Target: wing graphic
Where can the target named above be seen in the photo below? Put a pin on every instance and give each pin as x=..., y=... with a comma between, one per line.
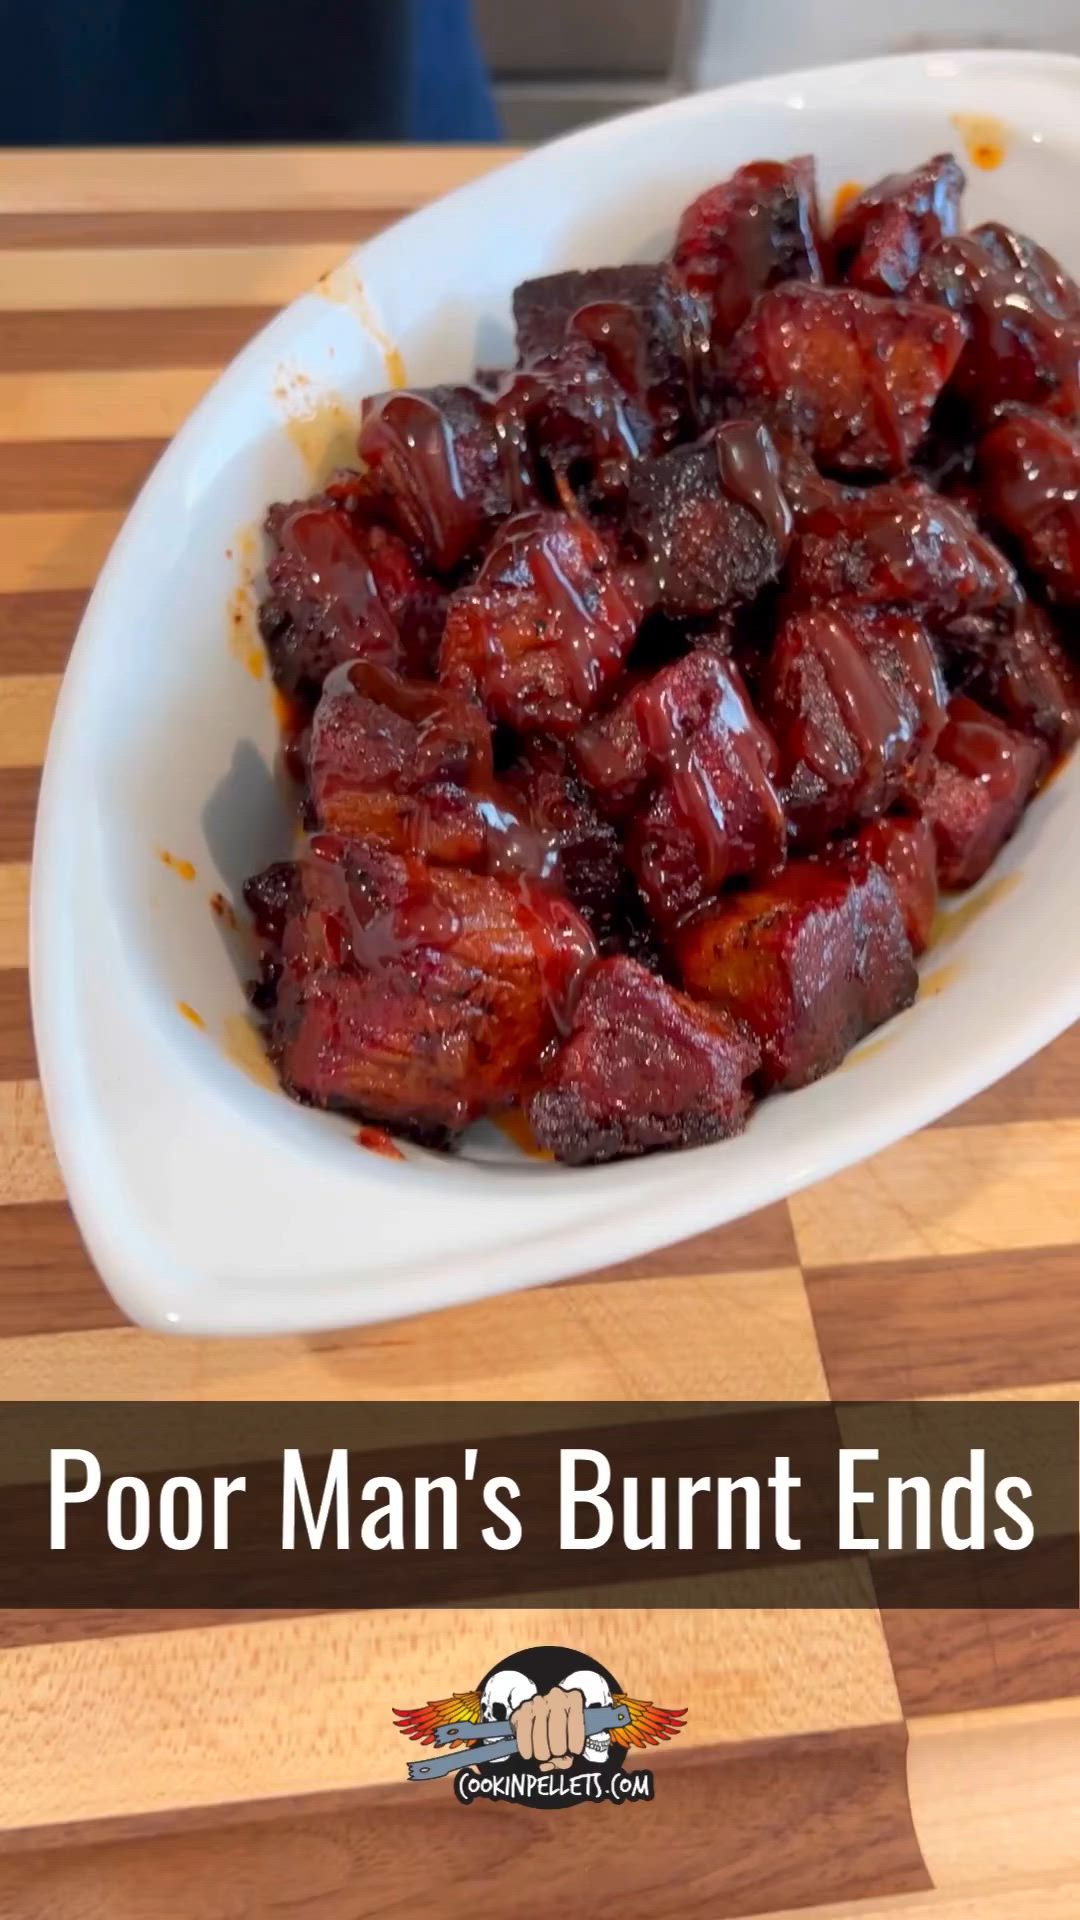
x=649, y=1725
x=419, y=1723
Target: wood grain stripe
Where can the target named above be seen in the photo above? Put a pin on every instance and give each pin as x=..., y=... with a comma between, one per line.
x=992, y=1794
x=952, y=1191
x=28, y=1169
x=960, y=1661
x=317, y=1695
x=344, y=227
x=99, y=406
x=59, y=475
x=46, y=1278
x=964, y=1324
x=76, y=180
x=18, y=1060
x=37, y=630
x=51, y=280
x=18, y=807
x=147, y=337
x=40, y=552
x=14, y=907
x=763, y=1239
x=558, y=1344
x=800, y=1814
x=26, y=711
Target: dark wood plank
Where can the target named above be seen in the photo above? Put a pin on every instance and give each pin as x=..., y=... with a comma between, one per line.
x=98, y=339
x=213, y=227
x=37, y=629
x=18, y=1059
x=980, y=1323
x=47, y=1283
x=18, y=806
x=741, y=1830
x=57, y=475
x=52, y=1625
x=960, y=1661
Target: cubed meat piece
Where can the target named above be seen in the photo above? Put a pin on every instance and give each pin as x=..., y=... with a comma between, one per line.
x=982, y=780
x=643, y=325
x=904, y=846
x=435, y=458
x=1019, y=670
x=564, y=424
x=544, y=789
x=810, y=961
x=853, y=376
x=686, y=750
x=338, y=589
x=712, y=519
x=404, y=764
x=900, y=545
x=644, y=1068
x=1022, y=318
x=416, y=997
x=750, y=233
x=1029, y=478
x=855, y=700
x=546, y=627
x=882, y=236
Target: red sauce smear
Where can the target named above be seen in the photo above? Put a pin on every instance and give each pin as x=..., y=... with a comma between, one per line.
x=375, y=1140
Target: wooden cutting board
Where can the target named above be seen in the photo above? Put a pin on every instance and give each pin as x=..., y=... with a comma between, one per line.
x=231, y=1767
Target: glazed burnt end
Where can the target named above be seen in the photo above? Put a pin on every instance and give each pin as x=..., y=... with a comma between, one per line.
x=1022, y=317
x=880, y=240
x=644, y=1068
x=340, y=589
x=810, y=961
x=1029, y=488
x=903, y=846
x=687, y=758
x=1019, y=670
x=749, y=233
x=543, y=633
x=434, y=463
x=854, y=377
x=416, y=997
x=406, y=765
x=712, y=520
x=855, y=700
x=983, y=777
x=641, y=324
x=900, y=544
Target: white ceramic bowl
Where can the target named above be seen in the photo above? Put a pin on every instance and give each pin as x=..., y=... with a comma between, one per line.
x=211, y=1203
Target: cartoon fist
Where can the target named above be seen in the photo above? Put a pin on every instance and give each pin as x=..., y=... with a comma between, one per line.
x=550, y=1728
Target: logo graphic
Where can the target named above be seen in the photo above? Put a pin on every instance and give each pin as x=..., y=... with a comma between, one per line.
x=547, y=1727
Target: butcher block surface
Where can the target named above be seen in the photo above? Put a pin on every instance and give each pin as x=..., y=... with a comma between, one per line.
x=233, y=1767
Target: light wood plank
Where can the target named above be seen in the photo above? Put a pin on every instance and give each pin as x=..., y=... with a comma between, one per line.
x=143, y=404
x=212, y=1717
x=26, y=711
x=53, y=280
x=964, y=1190
x=14, y=909
x=28, y=1169
x=43, y=551
x=718, y=1337
x=1042, y=1899
x=994, y=1793
x=112, y=180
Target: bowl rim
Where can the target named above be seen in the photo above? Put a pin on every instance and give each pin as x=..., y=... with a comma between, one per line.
x=115, y=1241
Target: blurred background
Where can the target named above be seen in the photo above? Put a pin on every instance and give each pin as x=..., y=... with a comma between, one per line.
x=116, y=72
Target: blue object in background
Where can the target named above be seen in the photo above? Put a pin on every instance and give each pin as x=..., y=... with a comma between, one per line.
x=451, y=88
x=163, y=72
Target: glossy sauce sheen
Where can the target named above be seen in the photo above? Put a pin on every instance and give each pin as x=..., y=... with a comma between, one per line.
x=413, y=429
x=324, y=540
x=750, y=473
